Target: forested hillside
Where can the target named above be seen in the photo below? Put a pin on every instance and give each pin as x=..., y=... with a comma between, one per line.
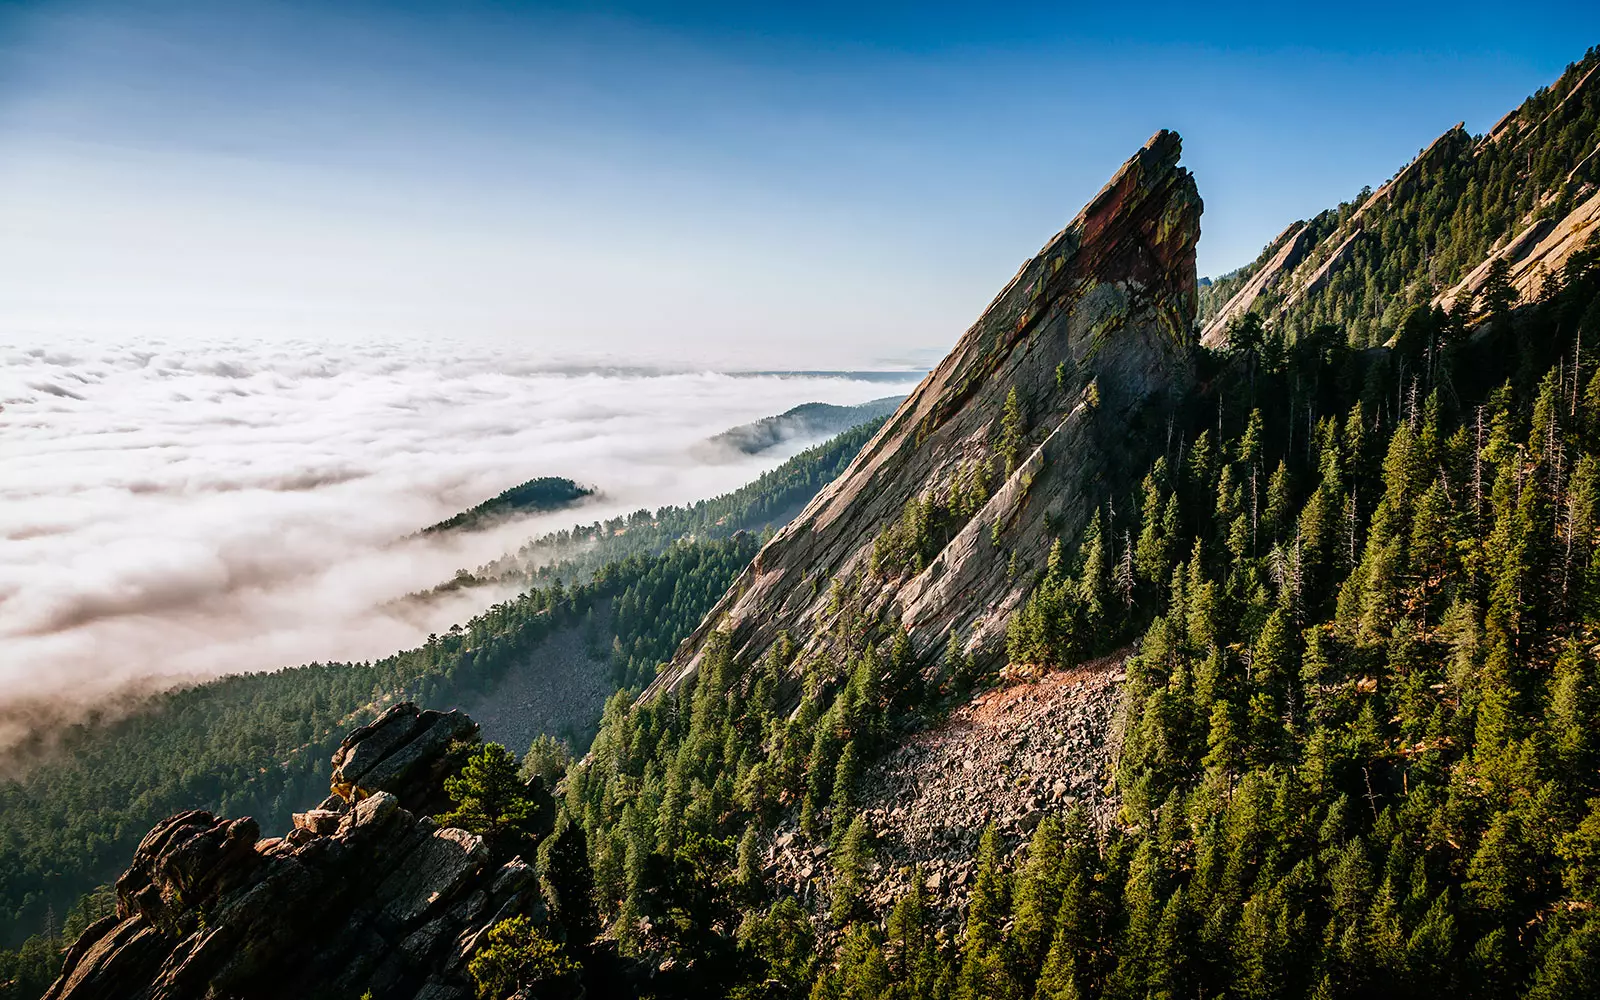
x=1357, y=753
x=1359, y=756
x=1365, y=264
x=258, y=744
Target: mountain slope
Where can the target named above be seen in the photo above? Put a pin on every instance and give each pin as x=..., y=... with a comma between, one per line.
x=1061, y=387
x=1527, y=193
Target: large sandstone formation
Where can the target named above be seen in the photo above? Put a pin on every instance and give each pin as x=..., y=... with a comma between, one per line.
x=363, y=895
x=1095, y=335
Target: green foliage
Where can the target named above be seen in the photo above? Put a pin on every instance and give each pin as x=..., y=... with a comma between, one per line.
x=1496, y=295
x=850, y=862
x=517, y=957
x=929, y=522
x=490, y=799
x=1013, y=428
x=547, y=759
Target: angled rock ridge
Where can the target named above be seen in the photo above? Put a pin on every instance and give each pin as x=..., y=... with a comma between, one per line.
x=1095, y=336
x=1561, y=213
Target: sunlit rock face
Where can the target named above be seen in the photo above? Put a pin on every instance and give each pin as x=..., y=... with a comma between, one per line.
x=1094, y=335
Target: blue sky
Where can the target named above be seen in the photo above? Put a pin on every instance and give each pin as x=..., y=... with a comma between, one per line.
x=816, y=185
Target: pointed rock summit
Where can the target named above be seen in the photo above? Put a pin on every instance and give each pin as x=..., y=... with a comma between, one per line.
x=1055, y=400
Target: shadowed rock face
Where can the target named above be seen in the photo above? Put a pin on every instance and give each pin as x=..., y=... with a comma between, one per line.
x=363, y=894
x=1095, y=334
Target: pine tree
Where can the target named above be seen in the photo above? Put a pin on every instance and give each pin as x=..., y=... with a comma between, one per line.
x=845, y=776
x=984, y=975
x=567, y=882
x=1013, y=425
x=1497, y=295
x=490, y=798
x=1038, y=895
x=1154, y=555
x=850, y=861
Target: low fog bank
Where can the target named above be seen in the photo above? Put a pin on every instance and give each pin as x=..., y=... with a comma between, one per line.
x=174, y=513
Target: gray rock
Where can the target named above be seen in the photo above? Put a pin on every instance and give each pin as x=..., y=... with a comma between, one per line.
x=376, y=899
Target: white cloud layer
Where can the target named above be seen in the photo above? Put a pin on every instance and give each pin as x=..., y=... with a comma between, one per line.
x=186, y=511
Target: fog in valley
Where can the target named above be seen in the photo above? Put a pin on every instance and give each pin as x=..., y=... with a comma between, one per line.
x=178, y=512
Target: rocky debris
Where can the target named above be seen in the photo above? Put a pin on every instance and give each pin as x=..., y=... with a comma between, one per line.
x=1010, y=757
x=1095, y=336
x=363, y=894
x=558, y=690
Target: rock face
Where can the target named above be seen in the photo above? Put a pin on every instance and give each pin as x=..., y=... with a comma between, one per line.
x=1535, y=254
x=1095, y=335
x=364, y=894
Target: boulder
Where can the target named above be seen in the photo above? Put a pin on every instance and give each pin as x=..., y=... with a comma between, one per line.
x=371, y=896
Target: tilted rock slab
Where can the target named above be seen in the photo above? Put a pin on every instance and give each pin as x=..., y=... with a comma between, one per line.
x=1110, y=303
x=362, y=895
x=1535, y=255
x=1291, y=247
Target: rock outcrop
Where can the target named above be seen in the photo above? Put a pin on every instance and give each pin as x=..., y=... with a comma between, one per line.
x=1288, y=250
x=1095, y=336
x=363, y=895
x=1535, y=254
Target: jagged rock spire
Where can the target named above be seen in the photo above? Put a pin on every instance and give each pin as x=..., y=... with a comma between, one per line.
x=1094, y=334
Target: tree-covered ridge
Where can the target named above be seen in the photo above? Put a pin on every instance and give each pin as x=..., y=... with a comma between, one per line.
x=542, y=494
x=769, y=501
x=258, y=744
x=1438, y=219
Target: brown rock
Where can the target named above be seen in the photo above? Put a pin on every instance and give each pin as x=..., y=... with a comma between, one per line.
x=318, y=821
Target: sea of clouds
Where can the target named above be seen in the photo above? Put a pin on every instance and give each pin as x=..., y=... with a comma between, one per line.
x=179, y=511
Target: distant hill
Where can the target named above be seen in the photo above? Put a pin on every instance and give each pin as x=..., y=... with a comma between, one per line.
x=533, y=496
x=808, y=420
